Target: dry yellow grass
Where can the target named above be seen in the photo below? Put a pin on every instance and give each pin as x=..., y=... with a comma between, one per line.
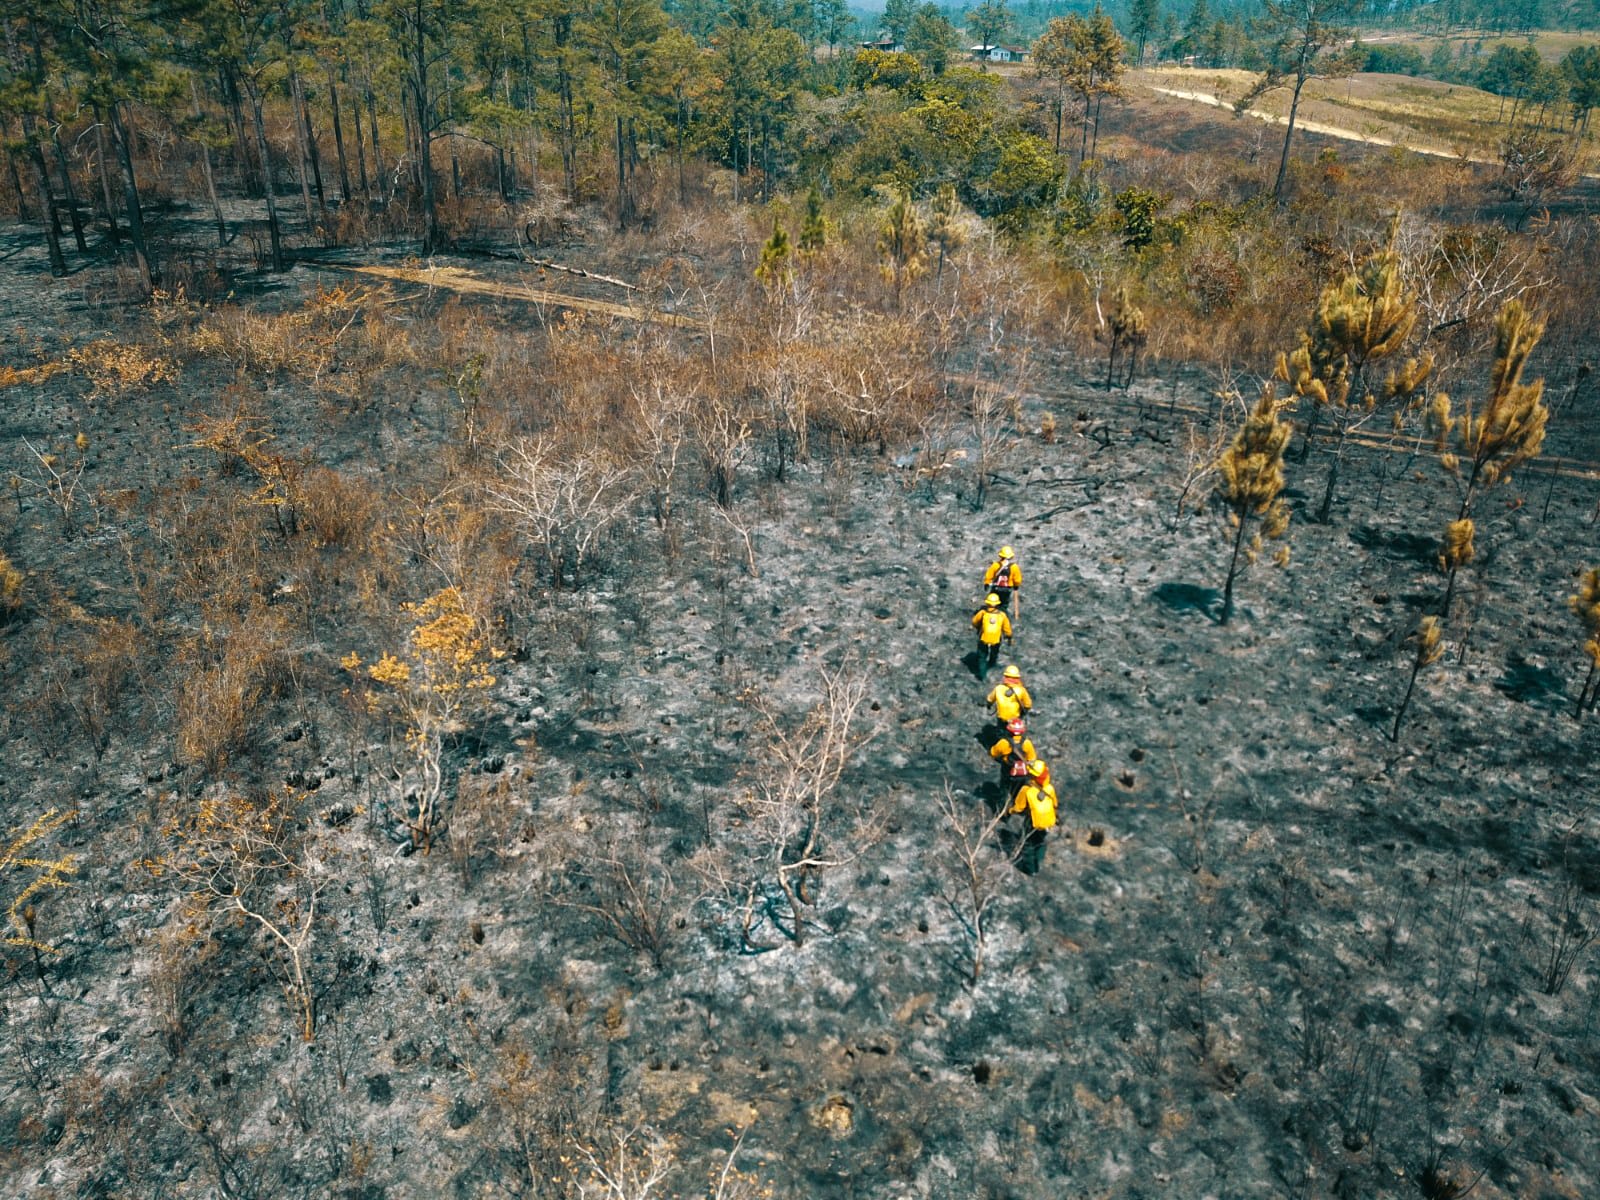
x=1420, y=114
x=463, y=282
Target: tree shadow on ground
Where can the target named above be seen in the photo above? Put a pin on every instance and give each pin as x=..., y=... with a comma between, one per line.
x=1188, y=597
x=1423, y=548
x=1526, y=683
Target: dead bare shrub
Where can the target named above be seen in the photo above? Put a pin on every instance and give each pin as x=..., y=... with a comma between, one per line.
x=634, y=900
x=234, y=858
x=792, y=826
x=565, y=499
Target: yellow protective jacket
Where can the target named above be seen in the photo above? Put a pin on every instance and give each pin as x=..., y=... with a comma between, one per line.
x=1009, y=702
x=1039, y=802
x=992, y=625
x=1003, y=748
x=1006, y=575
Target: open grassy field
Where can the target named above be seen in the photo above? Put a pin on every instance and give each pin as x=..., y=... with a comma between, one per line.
x=1422, y=114
x=1551, y=43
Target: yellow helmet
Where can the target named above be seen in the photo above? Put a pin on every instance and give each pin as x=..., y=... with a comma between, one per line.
x=992, y=600
x=1037, y=768
x=1012, y=672
x=1007, y=552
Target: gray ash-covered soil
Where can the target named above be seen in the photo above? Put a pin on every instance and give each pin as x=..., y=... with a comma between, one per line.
x=1270, y=953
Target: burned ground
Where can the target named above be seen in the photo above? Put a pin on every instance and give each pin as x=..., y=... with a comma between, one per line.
x=1271, y=952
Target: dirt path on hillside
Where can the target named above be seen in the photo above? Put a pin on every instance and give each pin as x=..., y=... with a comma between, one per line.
x=1349, y=135
x=464, y=282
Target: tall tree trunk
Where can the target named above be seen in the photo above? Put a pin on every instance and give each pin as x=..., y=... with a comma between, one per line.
x=130, y=195
x=273, y=231
x=372, y=132
x=361, y=152
x=624, y=209
x=1288, y=137
x=60, y=155
x=52, y=218
x=1083, y=143
x=244, y=154
x=71, y=188
x=419, y=66
x=683, y=119
x=338, y=137
x=455, y=155
x=23, y=214
x=103, y=163
x=205, y=163
x=296, y=101
x=569, y=126
x=313, y=151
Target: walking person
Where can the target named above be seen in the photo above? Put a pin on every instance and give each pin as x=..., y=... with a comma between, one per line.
x=993, y=626
x=1004, y=577
x=1036, y=800
x=1013, y=753
x=1010, y=699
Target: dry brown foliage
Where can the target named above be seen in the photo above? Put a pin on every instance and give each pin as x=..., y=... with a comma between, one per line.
x=230, y=674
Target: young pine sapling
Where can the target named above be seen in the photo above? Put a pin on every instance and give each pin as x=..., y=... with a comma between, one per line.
x=1483, y=447
x=1250, y=479
x=1428, y=651
x=1586, y=606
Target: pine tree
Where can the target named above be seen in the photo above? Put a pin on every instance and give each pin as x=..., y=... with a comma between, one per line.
x=1304, y=39
x=901, y=245
x=1507, y=431
x=775, y=272
x=814, y=228
x=1427, y=637
x=988, y=23
x=945, y=230
x=1363, y=317
x=1144, y=16
x=1083, y=55
x=1124, y=332
x=1586, y=607
x=1250, y=480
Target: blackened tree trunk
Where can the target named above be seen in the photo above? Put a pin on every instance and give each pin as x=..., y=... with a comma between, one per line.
x=205, y=163
x=338, y=137
x=361, y=152
x=245, y=166
x=68, y=191
x=130, y=196
x=103, y=164
x=297, y=100
x=23, y=213
x=52, y=218
x=273, y=232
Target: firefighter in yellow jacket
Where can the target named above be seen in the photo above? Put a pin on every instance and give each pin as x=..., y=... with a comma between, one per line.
x=1010, y=699
x=1036, y=799
x=1013, y=752
x=1004, y=576
x=992, y=625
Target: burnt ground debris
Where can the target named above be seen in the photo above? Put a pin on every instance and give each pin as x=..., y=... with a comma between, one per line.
x=1270, y=952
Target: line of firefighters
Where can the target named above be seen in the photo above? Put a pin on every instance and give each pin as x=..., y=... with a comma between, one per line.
x=1023, y=774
